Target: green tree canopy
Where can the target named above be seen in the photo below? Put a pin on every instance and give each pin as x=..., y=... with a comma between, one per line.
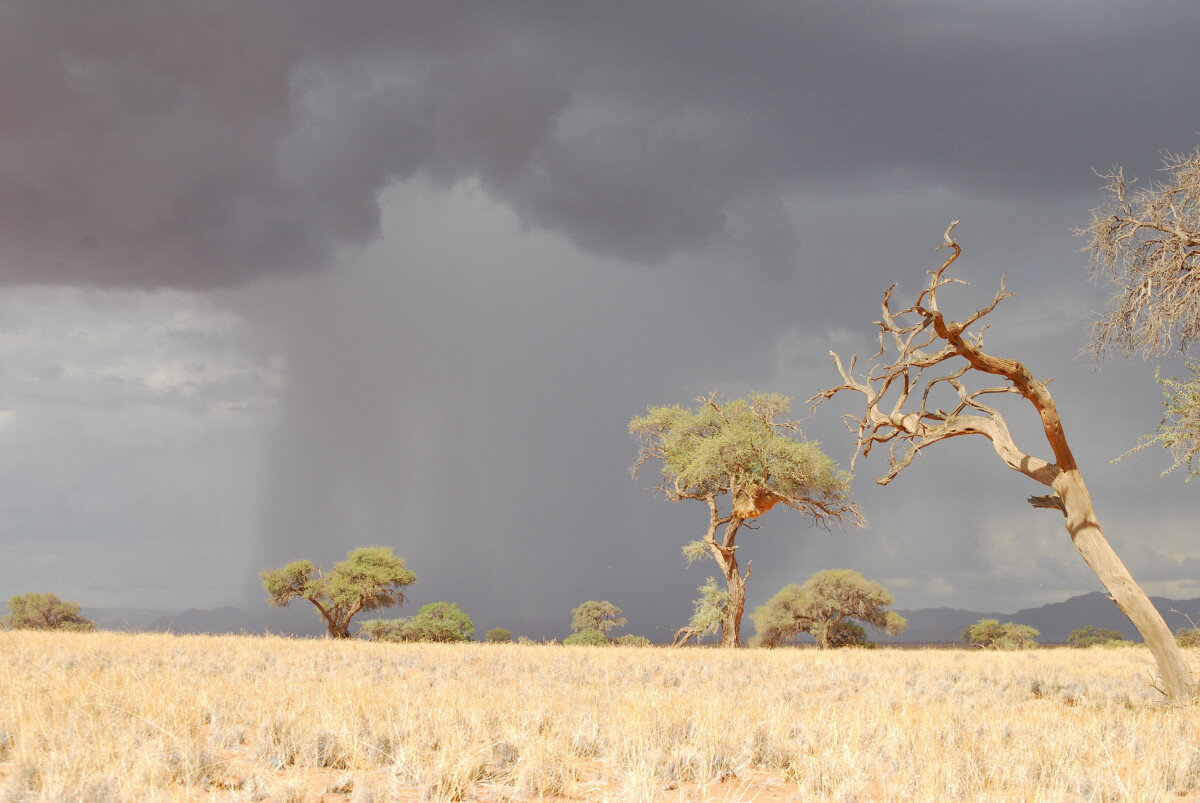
x=741, y=458
x=827, y=606
x=45, y=612
x=991, y=634
x=370, y=578
x=598, y=616
x=1087, y=636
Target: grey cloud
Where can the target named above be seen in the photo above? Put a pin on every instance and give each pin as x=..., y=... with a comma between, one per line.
x=207, y=144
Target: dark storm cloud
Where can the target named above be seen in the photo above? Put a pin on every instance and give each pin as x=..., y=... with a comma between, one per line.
x=209, y=143
x=459, y=388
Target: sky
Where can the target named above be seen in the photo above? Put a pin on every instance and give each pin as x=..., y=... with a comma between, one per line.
x=283, y=279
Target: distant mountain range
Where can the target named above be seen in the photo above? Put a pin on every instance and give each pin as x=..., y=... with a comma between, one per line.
x=1055, y=621
x=925, y=625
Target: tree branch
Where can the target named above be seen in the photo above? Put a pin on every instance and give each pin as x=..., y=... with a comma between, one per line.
x=908, y=428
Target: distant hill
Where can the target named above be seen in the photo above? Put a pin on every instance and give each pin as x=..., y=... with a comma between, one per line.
x=1055, y=621
x=294, y=621
x=123, y=618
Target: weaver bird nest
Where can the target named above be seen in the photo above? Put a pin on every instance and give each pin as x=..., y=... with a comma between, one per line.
x=751, y=501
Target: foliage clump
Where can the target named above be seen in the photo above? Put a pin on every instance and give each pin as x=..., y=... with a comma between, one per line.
x=631, y=640
x=1179, y=430
x=708, y=613
x=1092, y=635
x=498, y=635
x=991, y=634
x=368, y=579
x=442, y=622
x=586, y=638
x=829, y=607
x=45, y=612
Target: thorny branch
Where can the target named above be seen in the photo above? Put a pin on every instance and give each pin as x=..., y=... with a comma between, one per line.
x=1146, y=242
x=919, y=338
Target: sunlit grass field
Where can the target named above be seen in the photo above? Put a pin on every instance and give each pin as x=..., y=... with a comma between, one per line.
x=109, y=716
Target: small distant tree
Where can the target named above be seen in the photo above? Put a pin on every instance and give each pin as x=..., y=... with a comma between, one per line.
x=1091, y=635
x=369, y=579
x=989, y=633
x=598, y=616
x=1188, y=637
x=747, y=452
x=498, y=635
x=45, y=612
x=826, y=607
x=631, y=641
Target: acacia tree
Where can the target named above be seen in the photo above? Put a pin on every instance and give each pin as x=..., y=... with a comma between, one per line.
x=591, y=621
x=45, y=612
x=1090, y=635
x=368, y=579
x=1146, y=244
x=826, y=607
x=747, y=454
x=596, y=615
x=989, y=633
x=900, y=413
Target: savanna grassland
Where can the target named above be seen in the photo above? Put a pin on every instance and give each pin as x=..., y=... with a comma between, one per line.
x=110, y=716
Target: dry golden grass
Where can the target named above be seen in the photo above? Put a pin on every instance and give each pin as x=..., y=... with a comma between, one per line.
x=106, y=716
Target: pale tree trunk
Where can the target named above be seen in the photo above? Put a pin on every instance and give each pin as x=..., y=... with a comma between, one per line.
x=1123, y=590
x=735, y=582
x=731, y=627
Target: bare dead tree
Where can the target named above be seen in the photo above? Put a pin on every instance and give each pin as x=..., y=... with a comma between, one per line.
x=1146, y=243
x=901, y=414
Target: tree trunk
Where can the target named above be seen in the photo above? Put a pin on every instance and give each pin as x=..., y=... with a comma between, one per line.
x=731, y=627
x=1123, y=590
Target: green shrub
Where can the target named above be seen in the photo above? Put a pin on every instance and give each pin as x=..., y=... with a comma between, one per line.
x=1090, y=635
x=632, y=641
x=437, y=621
x=587, y=637
x=498, y=635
